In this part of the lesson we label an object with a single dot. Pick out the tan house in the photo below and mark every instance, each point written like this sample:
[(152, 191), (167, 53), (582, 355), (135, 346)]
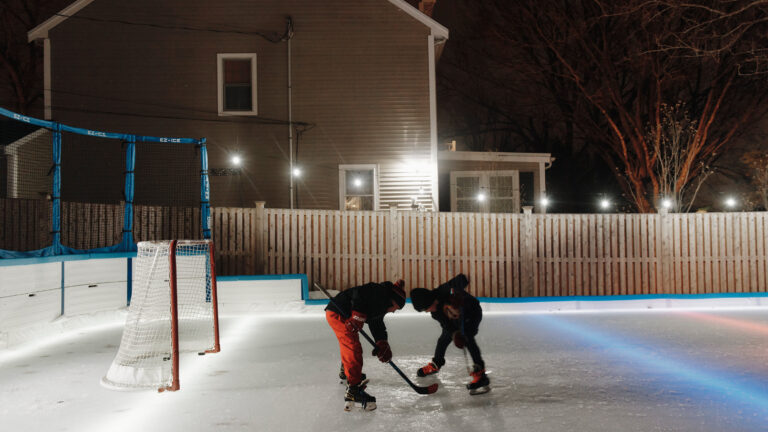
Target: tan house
[(324, 104)]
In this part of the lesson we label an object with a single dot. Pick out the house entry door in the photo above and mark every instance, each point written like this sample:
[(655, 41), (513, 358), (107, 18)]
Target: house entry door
[(485, 191)]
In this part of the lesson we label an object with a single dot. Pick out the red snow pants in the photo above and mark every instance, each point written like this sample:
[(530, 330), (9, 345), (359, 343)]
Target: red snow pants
[(349, 343)]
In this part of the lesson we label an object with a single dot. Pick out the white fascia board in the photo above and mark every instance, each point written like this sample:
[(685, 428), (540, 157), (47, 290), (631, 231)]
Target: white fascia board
[(438, 31), (495, 156), (41, 31)]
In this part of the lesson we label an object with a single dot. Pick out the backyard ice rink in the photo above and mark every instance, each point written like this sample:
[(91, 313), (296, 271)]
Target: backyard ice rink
[(648, 370)]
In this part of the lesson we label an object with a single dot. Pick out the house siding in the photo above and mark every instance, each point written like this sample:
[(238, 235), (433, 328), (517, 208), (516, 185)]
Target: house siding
[(359, 77)]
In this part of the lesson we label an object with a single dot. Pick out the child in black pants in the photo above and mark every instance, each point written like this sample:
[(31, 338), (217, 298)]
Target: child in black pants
[(459, 315)]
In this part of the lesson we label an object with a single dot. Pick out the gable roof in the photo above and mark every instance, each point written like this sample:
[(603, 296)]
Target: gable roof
[(41, 31)]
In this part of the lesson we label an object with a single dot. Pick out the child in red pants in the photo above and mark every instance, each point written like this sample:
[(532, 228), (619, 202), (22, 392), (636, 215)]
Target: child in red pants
[(346, 314)]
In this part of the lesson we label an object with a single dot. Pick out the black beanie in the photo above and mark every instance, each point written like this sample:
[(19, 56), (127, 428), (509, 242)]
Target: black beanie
[(422, 298), (397, 292)]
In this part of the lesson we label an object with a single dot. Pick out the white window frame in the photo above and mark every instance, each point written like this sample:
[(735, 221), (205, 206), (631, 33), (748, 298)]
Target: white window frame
[(484, 177), (343, 183), (220, 80)]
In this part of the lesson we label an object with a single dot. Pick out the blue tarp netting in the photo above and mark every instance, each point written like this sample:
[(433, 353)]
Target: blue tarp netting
[(67, 190)]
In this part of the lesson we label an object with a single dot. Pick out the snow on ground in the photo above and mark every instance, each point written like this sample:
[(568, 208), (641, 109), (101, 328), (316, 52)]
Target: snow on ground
[(551, 371)]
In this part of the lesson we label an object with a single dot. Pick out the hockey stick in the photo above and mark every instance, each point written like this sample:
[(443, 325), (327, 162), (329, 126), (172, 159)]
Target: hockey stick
[(420, 390)]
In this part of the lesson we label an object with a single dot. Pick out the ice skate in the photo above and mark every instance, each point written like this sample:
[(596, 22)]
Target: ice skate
[(430, 369), (356, 395), (480, 383)]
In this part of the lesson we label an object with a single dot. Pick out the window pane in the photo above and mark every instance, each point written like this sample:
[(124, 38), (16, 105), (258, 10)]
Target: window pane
[(502, 205), (237, 98), (501, 186), (359, 203), (359, 182), (237, 71), (467, 187), (467, 205)]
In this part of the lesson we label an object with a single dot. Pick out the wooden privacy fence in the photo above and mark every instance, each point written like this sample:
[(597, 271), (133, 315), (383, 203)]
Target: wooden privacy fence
[(505, 255), (523, 255)]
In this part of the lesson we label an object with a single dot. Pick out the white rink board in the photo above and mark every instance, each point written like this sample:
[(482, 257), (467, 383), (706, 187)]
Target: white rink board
[(242, 295)]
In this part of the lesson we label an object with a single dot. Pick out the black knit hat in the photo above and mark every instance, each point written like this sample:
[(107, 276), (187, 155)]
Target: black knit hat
[(422, 298), (397, 292)]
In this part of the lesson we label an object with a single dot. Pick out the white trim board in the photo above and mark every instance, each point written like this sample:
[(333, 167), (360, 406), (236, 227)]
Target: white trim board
[(41, 31)]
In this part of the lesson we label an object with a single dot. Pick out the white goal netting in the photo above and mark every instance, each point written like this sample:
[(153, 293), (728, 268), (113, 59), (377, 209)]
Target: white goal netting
[(148, 355)]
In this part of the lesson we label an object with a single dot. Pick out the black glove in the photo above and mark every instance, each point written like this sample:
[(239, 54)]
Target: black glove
[(459, 340), (382, 351)]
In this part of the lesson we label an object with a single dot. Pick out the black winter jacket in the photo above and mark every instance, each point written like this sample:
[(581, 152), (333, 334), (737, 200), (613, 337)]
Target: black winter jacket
[(452, 292), (371, 299)]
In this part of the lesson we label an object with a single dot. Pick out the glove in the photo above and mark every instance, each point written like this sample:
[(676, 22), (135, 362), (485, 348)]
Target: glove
[(451, 312), (355, 322), (459, 340), (382, 351)]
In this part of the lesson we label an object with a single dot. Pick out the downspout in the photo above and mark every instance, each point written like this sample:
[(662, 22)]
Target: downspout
[(290, 124), (433, 123), (47, 78)]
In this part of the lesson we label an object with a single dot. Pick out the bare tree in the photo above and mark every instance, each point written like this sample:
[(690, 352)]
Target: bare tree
[(672, 140), (757, 161), (624, 61), (21, 61)]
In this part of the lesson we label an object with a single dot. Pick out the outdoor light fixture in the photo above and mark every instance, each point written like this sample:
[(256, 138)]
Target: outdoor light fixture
[(481, 196), (730, 202), (236, 160), (358, 182), (297, 172), (666, 203), (604, 204), (544, 201)]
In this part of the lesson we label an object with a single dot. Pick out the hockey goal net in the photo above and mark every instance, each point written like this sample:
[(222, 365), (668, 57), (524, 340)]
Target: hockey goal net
[(173, 309)]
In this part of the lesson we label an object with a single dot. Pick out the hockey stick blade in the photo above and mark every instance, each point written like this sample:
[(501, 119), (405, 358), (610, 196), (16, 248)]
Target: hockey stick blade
[(419, 389)]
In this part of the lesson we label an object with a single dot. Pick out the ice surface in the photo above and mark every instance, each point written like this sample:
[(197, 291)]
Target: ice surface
[(277, 371)]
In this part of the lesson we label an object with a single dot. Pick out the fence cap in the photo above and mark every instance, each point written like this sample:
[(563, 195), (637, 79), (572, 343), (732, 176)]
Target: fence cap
[(527, 209)]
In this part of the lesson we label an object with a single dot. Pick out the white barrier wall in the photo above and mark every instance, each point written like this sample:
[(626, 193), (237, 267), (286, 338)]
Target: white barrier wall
[(37, 293), (29, 294), (239, 295), (34, 295)]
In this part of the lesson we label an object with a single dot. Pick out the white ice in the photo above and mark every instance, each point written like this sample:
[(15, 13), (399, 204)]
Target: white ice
[(277, 371)]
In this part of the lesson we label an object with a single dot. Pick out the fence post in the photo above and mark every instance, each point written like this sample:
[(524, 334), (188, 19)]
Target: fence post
[(260, 236), (527, 252), (394, 245), (665, 257)]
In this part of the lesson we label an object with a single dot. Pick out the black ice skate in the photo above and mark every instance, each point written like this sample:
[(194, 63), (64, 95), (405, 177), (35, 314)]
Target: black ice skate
[(356, 395), (429, 369), (480, 383)]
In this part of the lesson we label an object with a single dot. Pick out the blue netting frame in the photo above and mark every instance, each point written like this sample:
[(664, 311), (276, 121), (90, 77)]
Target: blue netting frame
[(127, 243)]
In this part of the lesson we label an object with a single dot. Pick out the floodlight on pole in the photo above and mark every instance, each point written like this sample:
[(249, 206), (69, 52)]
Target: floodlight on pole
[(544, 202), (666, 203), (297, 172), (236, 160), (604, 204), (730, 202)]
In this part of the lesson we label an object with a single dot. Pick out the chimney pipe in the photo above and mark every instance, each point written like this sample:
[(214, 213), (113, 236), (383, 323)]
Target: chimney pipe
[(427, 6)]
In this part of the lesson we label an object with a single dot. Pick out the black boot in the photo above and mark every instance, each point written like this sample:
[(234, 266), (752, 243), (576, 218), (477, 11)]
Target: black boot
[(480, 382), (356, 395)]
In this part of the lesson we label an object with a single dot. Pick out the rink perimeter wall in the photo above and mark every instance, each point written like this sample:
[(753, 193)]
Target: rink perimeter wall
[(39, 294)]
